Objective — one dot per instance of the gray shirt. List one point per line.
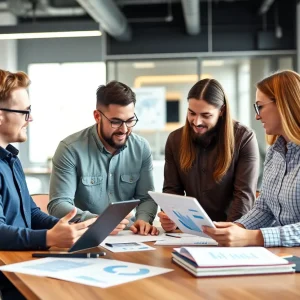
(87, 176)
(225, 201)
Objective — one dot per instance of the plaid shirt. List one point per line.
(277, 210)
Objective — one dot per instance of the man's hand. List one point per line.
(234, 235)
(166, 223)
(122, 224)
(63, 234)
(144, 228)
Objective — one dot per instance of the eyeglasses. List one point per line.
(24, 112)
(119, 123)
(258, 108)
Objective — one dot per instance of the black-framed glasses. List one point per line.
(26, 112)
(258, 107)
(117, 123)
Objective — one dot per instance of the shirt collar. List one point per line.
(99, 142)
(280, 145)
(10, 149)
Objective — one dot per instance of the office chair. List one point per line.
(41, 200)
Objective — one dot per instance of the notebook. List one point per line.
(104, 225)
(220, 261)
(185, 211)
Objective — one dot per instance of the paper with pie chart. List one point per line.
(97, 272)
(185, 211)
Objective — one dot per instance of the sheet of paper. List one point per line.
(90, 271)
(127, 247)
(127, 236)
(182, 239)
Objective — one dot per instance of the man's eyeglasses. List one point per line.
(258, 107)
(24, 112)
(119, 123)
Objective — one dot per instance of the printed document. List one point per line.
(126, 236)
(181, 239)
(97, 272)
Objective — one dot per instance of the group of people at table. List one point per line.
(212, 158)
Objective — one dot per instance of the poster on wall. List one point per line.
(150, 108)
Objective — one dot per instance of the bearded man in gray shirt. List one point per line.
(212, 158)
(105, 163)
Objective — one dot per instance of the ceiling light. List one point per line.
(50, 30)
(144, 65)
(168, 79)
(212, 63)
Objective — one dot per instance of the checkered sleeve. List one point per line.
(284, 236)
(258, 217)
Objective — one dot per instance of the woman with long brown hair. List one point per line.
(275, 217)
(212, 158)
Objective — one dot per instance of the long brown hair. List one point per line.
(284, 88)
(211, 91)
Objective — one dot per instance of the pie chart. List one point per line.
(126, 270)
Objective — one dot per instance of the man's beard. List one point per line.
(205, 137)
(109, 139)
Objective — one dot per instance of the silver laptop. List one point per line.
(104, 225)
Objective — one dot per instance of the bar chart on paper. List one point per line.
(187, 221)
(185, 211)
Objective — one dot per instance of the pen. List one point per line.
(174, 236)
(128, 244)
(70, 255)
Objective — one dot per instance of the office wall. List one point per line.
(87, 49)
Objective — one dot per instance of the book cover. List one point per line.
(230, 256)
(197, 271)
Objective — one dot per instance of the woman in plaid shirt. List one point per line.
(275, 217)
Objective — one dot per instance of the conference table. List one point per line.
(176, 285)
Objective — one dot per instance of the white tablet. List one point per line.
(185, 211)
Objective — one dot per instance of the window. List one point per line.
(63, 98)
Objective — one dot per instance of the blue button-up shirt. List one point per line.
(22, 224)
(277, 210)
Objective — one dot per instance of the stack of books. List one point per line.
(223, 261)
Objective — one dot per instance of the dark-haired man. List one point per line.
(105, 163)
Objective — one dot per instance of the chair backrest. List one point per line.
(41, 200)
